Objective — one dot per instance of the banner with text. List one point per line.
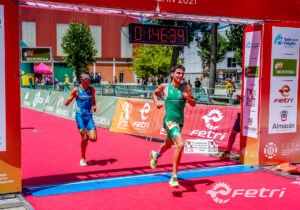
(251, 83)
(201, 122)
(284, 80)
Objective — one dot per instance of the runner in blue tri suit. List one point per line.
(86, 104)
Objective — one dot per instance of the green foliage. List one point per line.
(204, 45)
(235, 36)
(78, 44)
(151, 60)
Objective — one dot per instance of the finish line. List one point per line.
(125, 181)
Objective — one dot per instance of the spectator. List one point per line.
(166, 80)
(98, 78)
(160, 79)
(145, 83)
(115, 80)
(197, 83)
(189, 82)
(67, 79)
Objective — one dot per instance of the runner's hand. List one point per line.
(158, 105)
(67, 103)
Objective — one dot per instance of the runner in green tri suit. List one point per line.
(175, 94)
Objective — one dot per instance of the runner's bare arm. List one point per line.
(187, 94)
(72, 96)
(93, 100)
(155, 94)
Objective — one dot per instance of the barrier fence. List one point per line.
(202, 95)
(140, 117)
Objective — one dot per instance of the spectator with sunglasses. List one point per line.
(86, 104)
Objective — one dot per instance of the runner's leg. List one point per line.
(179, 145)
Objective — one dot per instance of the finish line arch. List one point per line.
(270, 121)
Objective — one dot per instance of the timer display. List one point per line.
(157, 34)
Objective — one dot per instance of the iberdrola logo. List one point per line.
(214, 115)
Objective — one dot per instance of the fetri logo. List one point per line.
(221, 193)
(214, 115)
(285, 90)
(144, 111)
(219, 189)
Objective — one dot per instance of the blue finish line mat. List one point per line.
(125, 181)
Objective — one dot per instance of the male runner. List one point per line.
(175, 95)
(86, 104)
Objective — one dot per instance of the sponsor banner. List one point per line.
(2, 84)
(64, 111)
(211, 122)
(137, 117)
(251, 83)
(200, 146)
(34, 99)
(51, 101)
(36, 54)
(201, 122)
(284, 80)
(10, 124)
(106, 107)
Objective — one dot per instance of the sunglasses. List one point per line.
(87, 79)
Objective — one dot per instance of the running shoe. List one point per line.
(174, 181)
(153, 162)
(83, 162)
(225, 155)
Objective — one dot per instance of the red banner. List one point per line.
(201, 122)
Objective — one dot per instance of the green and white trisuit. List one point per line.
(174, 119)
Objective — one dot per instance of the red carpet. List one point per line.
(191, 195)
(51, 152)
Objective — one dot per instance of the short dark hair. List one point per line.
(177, 67)
(84, 73)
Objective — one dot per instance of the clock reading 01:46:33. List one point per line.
(157, 34)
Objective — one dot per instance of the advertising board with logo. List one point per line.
(201, 122)
(2, 84)
(284, 80)
(251, 83)
(137, 117)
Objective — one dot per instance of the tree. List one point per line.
(78, 44)
(212, 50)
(151, 60)
(204, 45)
(235, 36)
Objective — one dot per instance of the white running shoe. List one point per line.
(83, 162)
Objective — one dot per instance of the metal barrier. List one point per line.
(202, 95)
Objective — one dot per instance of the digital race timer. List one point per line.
(157, 34)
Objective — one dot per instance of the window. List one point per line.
(61, 29)
(29, 33)
(121, 77)
(96, 34)
(231, 63)
(126, 47)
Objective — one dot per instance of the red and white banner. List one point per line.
(279, 140)
(201, 122)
